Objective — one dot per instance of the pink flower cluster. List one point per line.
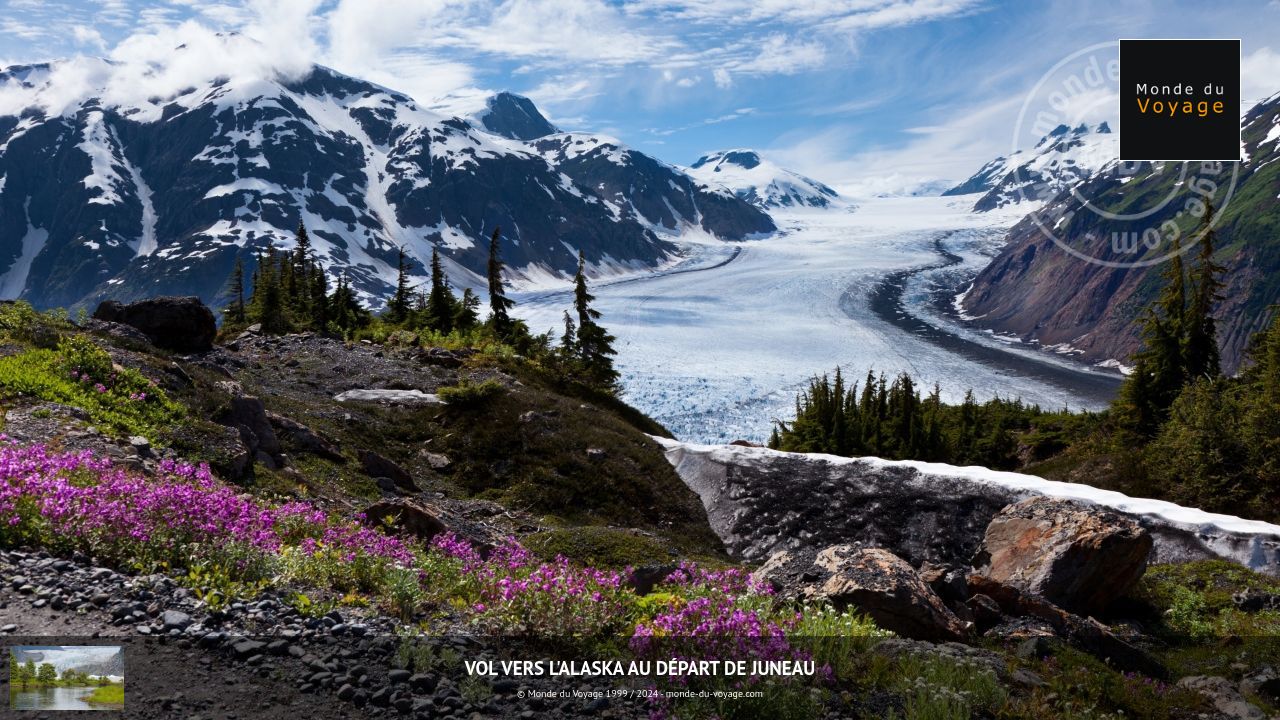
(730, 581)
(81, 500)
(517, 594)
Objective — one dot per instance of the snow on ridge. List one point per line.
(1158, 512)
(99, 144)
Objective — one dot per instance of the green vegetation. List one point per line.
(288, 293)
(599, 546)
(30, 676)
(79, 373)
(893, 420)
(112, 694)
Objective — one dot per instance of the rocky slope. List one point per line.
(1035, 290)
(168, 191)
(925, 512)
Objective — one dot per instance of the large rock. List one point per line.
(377, 466)
(1225, 698)
(181, 324)
(1085, 633)
(872, 580)
(1078, 556)
(249, 416)
(407, 517)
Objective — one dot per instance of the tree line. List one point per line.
(26, 675)
(289, 292)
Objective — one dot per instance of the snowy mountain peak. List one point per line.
(237, 160)
(1061, 159)
(514, 116)
(748, 176)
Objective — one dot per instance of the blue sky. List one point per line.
(869, 95)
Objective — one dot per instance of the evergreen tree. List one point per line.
(299, 273)
(47, 674)
(595, 344)
(441, 305)
(319, 300)
(399, 305)
(499, 304)
(569, 340)
(467, 316)
(236, 313)
(1201, 355)
(269, 294)
(1161, 358)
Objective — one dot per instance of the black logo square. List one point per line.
(1180, 100)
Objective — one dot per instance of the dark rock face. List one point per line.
(515, 116)
(761, 501)
(872, 580)
(1080, 557)
(181, 324)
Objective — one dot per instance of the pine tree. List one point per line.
(270, 309)
(467, 316)
(319, 300)
(299, 273)
(1149, 394)
(595, 344)
(441, 305)
(1202, 358)
(499, 304)
(569, 340)
(236, 313)
(399, 305)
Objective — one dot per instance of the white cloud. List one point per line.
(782, 55)
(89, 37)
(1259, 76)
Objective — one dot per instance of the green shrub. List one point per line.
(81, 374)
(599, 546)
(468, 394)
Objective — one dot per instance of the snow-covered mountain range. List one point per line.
(1063, 158)
(108, 197)
(761, 182)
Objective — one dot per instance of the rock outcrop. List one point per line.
(1077, 556)
(761, 501)
(871, 580)
(181, 324)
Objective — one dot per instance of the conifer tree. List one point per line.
(236, 313)
(441, 305)
(319, 300)
(270, 310)
(595, 344)
(499, 304)
(1202, 358)
(399, 305)
(569, 340)
(467, 316)
(1149, 394)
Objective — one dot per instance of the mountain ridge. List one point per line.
(119, 197)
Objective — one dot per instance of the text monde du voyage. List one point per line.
(1181, 99)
